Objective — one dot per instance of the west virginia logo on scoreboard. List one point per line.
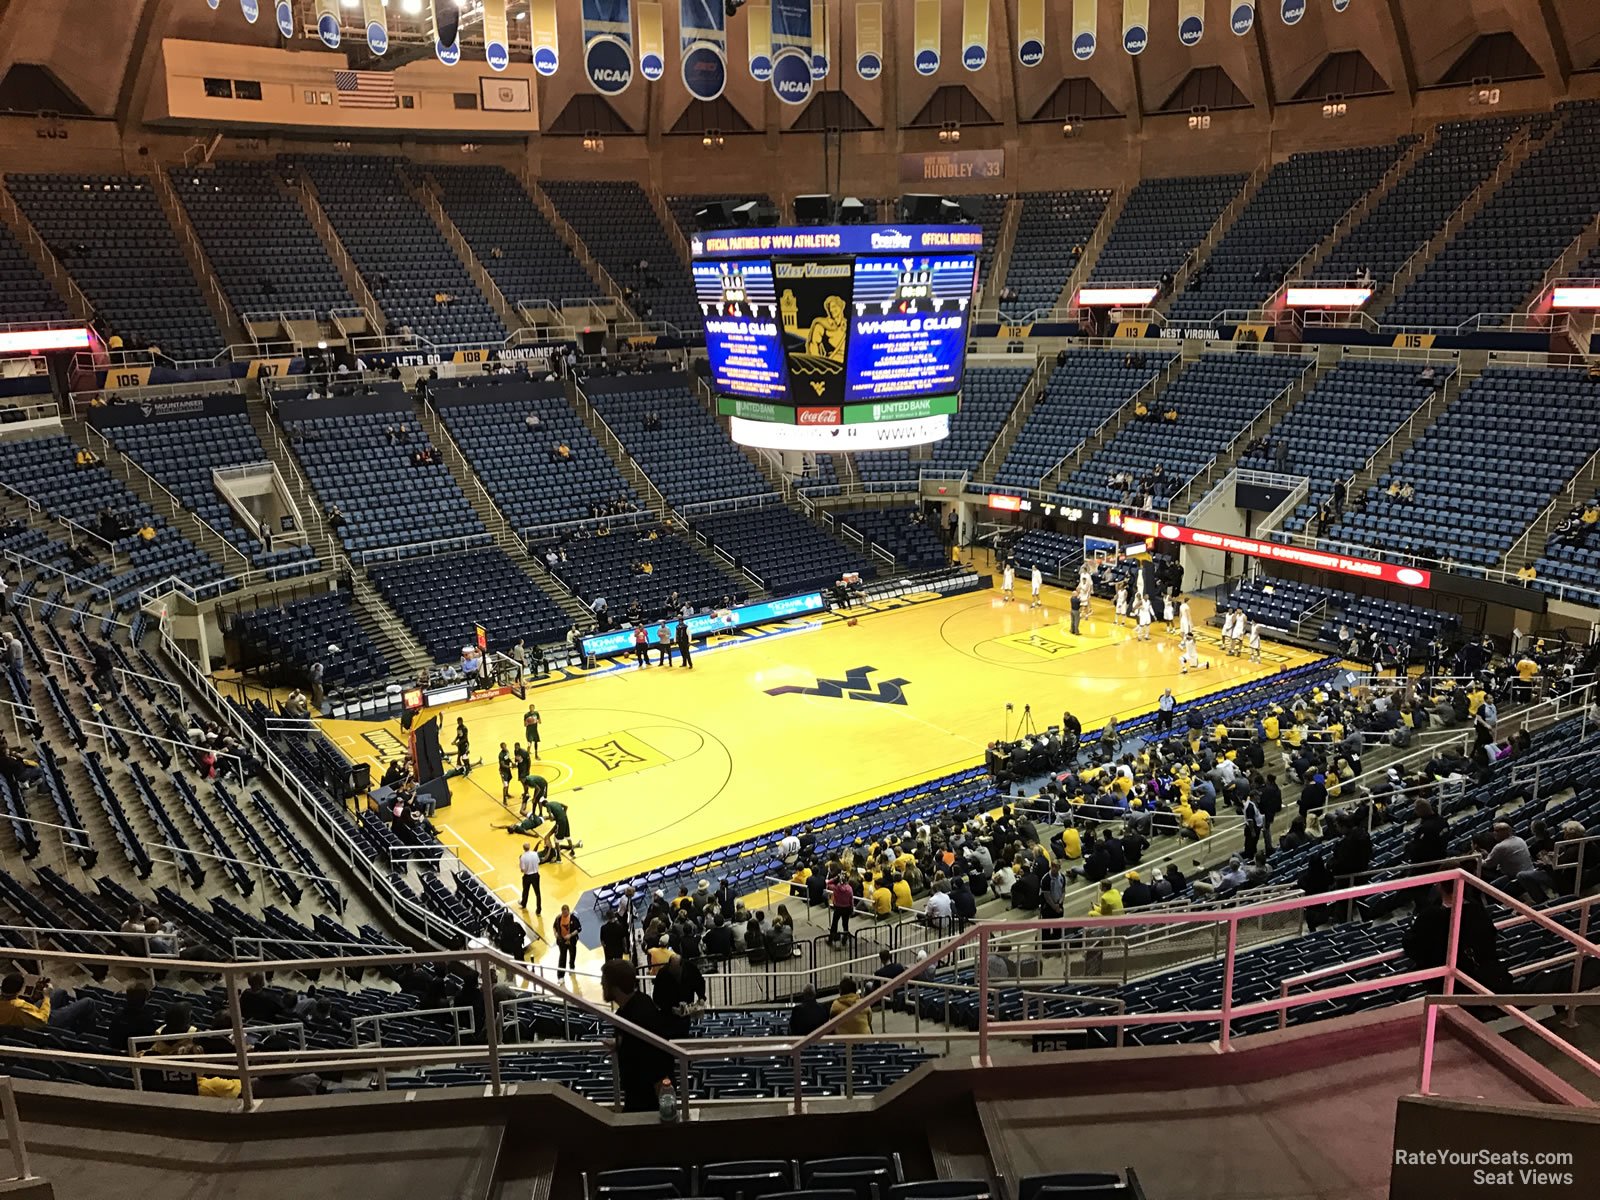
(854, 686)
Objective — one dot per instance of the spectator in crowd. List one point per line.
(642, 1068)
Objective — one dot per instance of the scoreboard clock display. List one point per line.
(807, 325)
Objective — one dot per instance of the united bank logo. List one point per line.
(854, 686)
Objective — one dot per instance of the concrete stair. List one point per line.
(1516, 153)
(647, 491)
(160, 500)
(199, 263)
(1086, 449)
(1306, 268)
(1530, 547)
(1006, 438)
(381, 623)
(1003, 245)
(43, 257)
(425, 191)
(1566, 263)
(669, 223)
(494, 520)
(564, 230)
(305, 192)
(1084, 271)
(1411, 429)
(1229, 458)
(1224, 222)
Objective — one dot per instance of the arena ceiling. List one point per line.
(105, 54)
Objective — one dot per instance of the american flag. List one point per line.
(365, 89)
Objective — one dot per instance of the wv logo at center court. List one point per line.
(854, 686)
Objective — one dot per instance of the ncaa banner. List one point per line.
(285, 15)
(1030, 32)
(1242, 16)
(251, 10)
(449, 55)
(1340, 5)
(1191, 21)
(758, 29)
(925, 36)
(820, 64)
(496, 39)
(652, 42)
(1292, 11)
(213, 4)
(1135, 25)
(377, 23)
(608, 45)
(791, 50)
(703, 47)
(869, 39)
(975, 34)
(328, 23)
(1085, 29)
(546, 43)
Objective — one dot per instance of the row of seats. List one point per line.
(181, 453)
(988, 396)
(1052, 230)
(258, 240)
(1301, 198)
(1484, 470)
(320, 629)
(1215, 398)
(1495, 262)
(529, 482)
(685, 453)
(1080, 395)
(113, 237)
(1161, 224)
(611, 566)
(619, 226)
(399, 251)
(782, 549)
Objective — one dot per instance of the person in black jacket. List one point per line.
(1352, 854)
(614, 936)
(1427, 941)
(1313, 881)
(678, 985)
(641, 1067)
(808, 1014)
(1430, 841)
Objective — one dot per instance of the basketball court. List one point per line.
(795, 720)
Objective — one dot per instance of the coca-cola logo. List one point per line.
(819, 416)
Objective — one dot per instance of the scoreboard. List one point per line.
(837, 326)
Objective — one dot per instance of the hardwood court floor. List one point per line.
(662, 763)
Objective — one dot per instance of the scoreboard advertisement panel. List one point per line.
(819, 320)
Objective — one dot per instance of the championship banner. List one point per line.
(869, 39)
(449, 55)
(652, 42)
(1242, 16)
(608, 45)
(1085, 29)
(975, 34)
(496, 36)
(1292, 11)
(546, 42)
(251, 10)
(820, 63)
(328, 23)
(1135, 25)
(925, 36)
(1030, 31)
(377, 22)
(1191, 21)
(791, 50)
(758, 30)
(703, 47)
(285, 15)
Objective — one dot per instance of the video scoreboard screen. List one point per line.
(816, 322)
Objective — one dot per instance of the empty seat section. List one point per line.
(619, 226)
(1160, 226)
(988, 394)
(112, 236)
(1052, 230)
